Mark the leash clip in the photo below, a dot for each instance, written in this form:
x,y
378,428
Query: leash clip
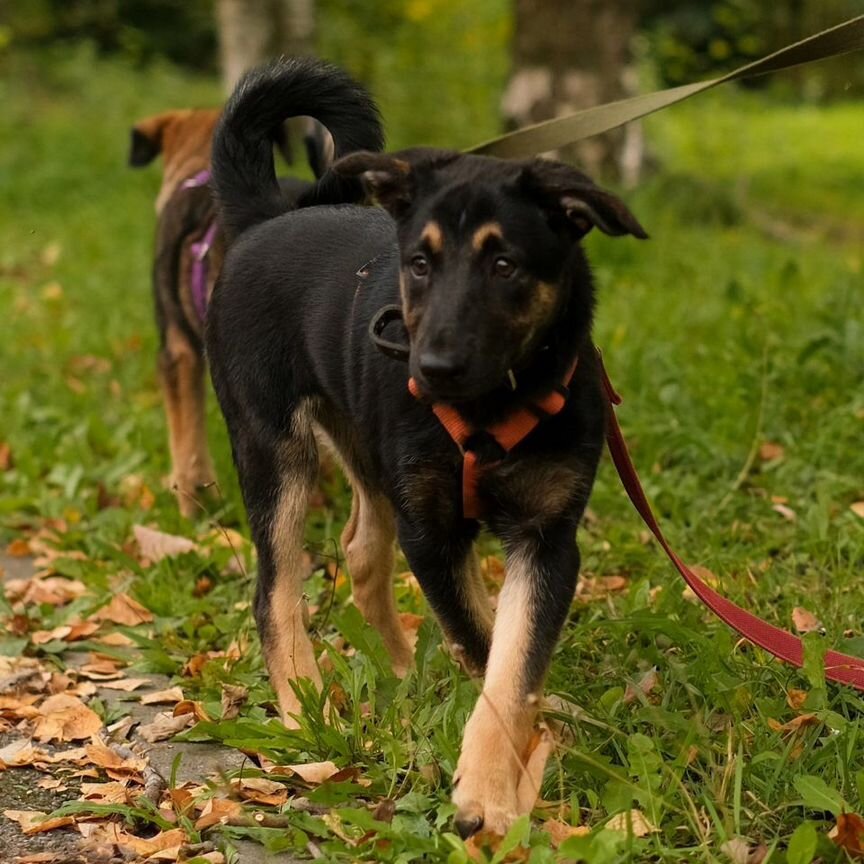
x,y
384,316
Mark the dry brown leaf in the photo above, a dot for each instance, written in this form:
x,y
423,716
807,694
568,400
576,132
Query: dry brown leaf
x,y
156,545
35,821
794,725
67,632
127,685
65,718
106,757
411,624
51,590
561,831
771,452
848,834
19,548
52,784
806,622
857,508
165,726
116,640
113,792
196,709
786,512
216,811
635,821
5,456
101,668
737,850
260,790
314,773
233,698
795,699
163,697
591,588
123,609
645,685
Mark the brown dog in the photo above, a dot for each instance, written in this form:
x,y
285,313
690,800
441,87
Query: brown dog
x,y
188,257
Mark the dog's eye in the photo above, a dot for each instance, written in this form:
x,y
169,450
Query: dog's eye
x,y
420,266
504,268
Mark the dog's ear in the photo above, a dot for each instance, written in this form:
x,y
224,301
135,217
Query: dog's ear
x,y
387,179
146,143
572,194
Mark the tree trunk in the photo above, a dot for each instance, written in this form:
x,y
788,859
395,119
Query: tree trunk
x,y
573,54
252,31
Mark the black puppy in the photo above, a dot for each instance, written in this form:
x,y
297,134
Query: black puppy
x,y
483,257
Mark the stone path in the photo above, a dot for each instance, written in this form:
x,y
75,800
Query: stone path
x,y
18,790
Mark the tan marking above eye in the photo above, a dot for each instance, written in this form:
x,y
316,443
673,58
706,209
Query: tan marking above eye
x,y
433,236
485,232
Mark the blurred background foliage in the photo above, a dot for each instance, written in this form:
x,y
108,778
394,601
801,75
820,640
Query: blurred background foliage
x,y
679,40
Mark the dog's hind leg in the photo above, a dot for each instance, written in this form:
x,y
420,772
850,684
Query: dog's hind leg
x,y
492,785
181,370
368,541
277,478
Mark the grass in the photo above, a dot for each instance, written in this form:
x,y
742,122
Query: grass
x,y
739,324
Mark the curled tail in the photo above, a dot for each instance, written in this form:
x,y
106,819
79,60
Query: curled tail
x,y
244,177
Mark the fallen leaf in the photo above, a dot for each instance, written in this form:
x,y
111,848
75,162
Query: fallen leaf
x,y
233,698
35,821
645,685
216,811
794,725
786,512
590,588
163,697
5,456
635,822
857,508
52,784
53,591
196,709
795,699
19,548
806,622
65,718
771,452
848,834
736,850
115,640
165,726
112,792
123,610
156,545
127,685
260,790
314,773
561,831
411,625
107,757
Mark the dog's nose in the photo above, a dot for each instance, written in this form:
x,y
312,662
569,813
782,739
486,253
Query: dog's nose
x,y
441,367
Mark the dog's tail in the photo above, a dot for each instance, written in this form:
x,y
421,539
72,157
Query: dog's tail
x,y
244,177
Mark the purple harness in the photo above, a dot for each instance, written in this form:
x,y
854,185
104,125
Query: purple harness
x,y
200,250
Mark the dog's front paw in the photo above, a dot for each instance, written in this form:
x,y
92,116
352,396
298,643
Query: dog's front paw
x,y
487,803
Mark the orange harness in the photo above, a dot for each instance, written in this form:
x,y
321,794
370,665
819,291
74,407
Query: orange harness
x,y
507,434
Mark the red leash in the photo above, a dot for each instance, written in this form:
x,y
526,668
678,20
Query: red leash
x,y
780,643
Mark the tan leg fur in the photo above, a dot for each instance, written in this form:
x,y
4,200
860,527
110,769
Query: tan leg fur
x,y
181,370
492,762
368,541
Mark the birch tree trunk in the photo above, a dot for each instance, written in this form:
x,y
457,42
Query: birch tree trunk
x,y
252,31
573,54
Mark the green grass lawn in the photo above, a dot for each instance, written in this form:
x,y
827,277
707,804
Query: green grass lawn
x,y
740,323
